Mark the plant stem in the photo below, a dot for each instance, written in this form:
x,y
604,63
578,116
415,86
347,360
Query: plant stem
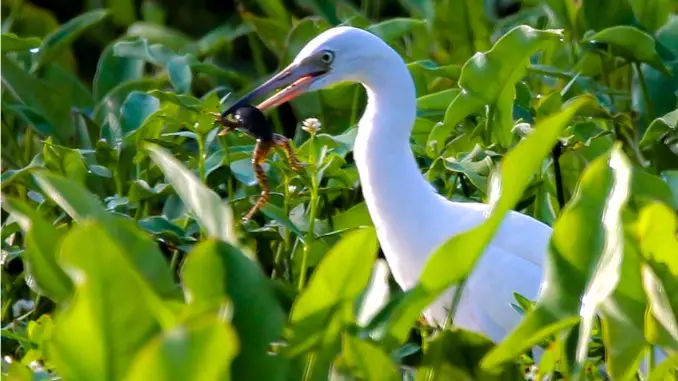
x,y
646,92
560,192
449,321
201,158
308,369
313,206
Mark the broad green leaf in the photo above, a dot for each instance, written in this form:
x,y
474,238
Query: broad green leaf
x,y
180,74
160,225
108,108
184,100
590,249
431,68
12,43
214,215
463,25
456,354
601,14
437,101
631,43
214,273
657,228
490,79
271,32
97,335
82,206
199,350
658,128
454,259
134,111
42,244
69,162
160,34
54,43
340,277
38,95
113,70
74,91
623,319
666,370
652,14
122,12
367,361
392,29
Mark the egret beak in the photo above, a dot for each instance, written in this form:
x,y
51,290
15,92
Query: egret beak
x,y
296,79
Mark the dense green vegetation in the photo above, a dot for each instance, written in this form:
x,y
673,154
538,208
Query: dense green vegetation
x,y
124,258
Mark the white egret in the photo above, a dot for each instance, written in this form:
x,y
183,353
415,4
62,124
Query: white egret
x,y
411,219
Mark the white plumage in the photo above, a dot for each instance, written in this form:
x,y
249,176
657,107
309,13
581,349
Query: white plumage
x,y
410,217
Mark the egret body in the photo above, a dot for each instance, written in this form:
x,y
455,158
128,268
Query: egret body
x,y
411,219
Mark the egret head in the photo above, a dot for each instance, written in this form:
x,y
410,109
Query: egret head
x,y
337,55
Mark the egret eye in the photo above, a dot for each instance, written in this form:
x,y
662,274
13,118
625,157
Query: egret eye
x,y
327,56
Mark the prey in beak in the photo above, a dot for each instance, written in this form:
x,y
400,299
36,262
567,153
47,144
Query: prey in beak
x,y
294,80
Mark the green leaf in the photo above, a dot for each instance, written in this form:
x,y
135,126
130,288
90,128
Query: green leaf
x,y
180,74
109,315
623,319
113,70
186,101
456,354
271,32
198,350
160,225
340,277
215,272
657,228
392,29
367,361
589,249
75,93
490,79
465,249
631,43
658,128
137,107
39,95
12,43
437,101
42,241
652,14
666,370
160,34
601,14
211,213
55,42
82,206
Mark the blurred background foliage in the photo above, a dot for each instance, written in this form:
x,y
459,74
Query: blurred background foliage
x,y
108,148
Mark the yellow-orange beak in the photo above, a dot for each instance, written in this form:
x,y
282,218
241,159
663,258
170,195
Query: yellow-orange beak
x,y
296,79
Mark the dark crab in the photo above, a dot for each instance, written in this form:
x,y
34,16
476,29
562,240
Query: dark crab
x,y
253,122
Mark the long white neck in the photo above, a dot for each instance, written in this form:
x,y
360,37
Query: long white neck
x,y
398,197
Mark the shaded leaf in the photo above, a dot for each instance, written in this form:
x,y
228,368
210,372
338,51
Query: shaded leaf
x,y
199,350
213,215
456,355
109,314
12,43
54,43
42,244
632,44
113,70
215,272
